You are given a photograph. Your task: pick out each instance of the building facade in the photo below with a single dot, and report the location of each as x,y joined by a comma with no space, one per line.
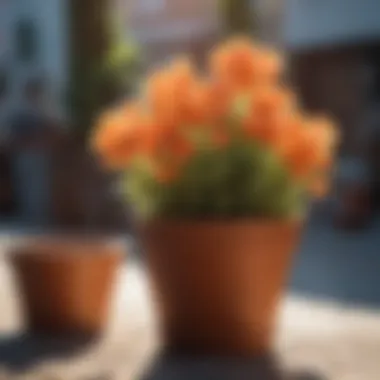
335,61
33,42
165,28
33,45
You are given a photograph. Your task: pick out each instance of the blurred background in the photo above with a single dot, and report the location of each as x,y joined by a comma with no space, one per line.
63,61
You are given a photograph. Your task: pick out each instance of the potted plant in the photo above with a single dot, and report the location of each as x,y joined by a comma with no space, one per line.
66,283
219,169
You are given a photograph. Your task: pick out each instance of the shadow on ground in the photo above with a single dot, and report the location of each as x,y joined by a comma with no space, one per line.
172,367
23,351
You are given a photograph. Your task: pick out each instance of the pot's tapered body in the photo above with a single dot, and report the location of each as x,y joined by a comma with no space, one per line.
217,285
66,287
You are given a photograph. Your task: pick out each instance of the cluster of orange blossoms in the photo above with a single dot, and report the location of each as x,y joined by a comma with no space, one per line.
178,101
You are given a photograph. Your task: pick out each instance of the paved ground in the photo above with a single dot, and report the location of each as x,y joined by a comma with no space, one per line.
341,266
337,334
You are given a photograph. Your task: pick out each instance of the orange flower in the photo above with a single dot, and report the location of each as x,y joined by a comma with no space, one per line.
198,102
270,111
164,141
168,92
178,146
210,102
243,64
234,63
106,138
172,151
321,138
269,65
161,97
166,174
118,137
220,136
326,130
293,127
183,73
312,149
319,186
181,106
268,100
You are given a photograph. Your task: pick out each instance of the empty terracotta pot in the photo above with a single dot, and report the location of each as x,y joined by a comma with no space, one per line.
66,284
217,285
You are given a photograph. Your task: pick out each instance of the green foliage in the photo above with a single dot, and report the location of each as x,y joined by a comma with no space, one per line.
95,84
121,67
237,16
242,180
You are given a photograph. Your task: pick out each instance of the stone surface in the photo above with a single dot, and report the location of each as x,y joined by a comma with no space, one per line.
320,338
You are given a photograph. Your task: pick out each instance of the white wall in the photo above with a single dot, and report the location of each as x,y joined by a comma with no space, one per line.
310,23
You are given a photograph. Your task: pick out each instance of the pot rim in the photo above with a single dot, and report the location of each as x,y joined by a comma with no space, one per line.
68,245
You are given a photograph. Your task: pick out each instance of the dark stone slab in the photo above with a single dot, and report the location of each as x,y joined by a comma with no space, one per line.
20,352
172,367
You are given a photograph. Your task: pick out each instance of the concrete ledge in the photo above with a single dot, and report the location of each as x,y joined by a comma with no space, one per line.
337,342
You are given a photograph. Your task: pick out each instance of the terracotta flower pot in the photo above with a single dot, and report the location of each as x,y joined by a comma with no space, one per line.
66,285
217,285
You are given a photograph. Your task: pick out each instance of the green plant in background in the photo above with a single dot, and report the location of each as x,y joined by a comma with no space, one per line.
101,84
105,65
238,16
121,68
